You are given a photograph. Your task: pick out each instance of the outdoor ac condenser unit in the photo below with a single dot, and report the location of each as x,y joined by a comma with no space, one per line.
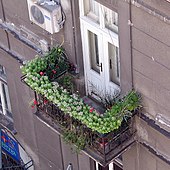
48,17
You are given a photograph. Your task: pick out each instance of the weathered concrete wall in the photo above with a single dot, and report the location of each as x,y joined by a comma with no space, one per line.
54,153
18,15
151,50
112,4
149,35
151,70
140,158
20,96
150,55
41,142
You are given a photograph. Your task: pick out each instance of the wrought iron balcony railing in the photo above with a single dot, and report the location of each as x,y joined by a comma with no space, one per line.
101,147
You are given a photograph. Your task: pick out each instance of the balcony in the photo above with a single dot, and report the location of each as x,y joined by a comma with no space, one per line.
102,136
100,147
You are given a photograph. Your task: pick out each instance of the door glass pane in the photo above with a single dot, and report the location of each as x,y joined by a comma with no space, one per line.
114,64
94,51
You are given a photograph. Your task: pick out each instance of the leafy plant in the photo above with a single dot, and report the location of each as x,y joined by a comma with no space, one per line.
51,65
37,78
70,137
108,99
67,82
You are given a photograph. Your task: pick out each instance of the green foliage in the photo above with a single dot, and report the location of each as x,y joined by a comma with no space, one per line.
67,82
108,100
36,65
70,137
72,104
51,65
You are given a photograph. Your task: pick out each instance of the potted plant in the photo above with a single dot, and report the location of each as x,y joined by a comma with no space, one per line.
38,78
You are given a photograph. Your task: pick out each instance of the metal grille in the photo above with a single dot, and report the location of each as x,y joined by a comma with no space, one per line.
102,147
9,164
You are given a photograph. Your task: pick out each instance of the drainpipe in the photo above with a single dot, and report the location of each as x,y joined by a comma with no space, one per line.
72,3
77,38
130,25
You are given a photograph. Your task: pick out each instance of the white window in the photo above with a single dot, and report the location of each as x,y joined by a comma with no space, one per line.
116,165
93,10
111,19
99,30
5,106
105,17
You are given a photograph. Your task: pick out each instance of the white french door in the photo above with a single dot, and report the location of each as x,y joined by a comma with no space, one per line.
101,61
93,62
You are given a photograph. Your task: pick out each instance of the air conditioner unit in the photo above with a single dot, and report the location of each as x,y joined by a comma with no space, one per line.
47,16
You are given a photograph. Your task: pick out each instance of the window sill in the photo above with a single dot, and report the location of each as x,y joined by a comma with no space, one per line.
6,122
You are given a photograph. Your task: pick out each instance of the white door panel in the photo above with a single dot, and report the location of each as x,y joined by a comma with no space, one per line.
100,63
111,65
93,65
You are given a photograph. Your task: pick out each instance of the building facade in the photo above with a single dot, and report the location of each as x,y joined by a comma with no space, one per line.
115,46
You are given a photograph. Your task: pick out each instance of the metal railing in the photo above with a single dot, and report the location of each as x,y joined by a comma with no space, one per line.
101,147
8,163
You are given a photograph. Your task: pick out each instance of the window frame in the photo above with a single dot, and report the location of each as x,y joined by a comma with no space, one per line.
4,95
85,12
88,24
110,166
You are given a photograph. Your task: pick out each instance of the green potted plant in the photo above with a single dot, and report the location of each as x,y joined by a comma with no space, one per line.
37,77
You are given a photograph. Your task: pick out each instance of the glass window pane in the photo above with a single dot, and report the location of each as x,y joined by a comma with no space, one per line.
114,64
0,99
7,99
0,104
2,70
111,19
2,73
117,167
93,11
94,51
4,96
5,106
94,7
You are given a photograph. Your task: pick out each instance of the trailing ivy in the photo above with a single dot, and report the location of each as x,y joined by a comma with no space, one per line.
37,77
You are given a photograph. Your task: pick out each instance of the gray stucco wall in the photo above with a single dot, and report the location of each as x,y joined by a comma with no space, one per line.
54,153
151,49
149,35
43,144
150,58
151,70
